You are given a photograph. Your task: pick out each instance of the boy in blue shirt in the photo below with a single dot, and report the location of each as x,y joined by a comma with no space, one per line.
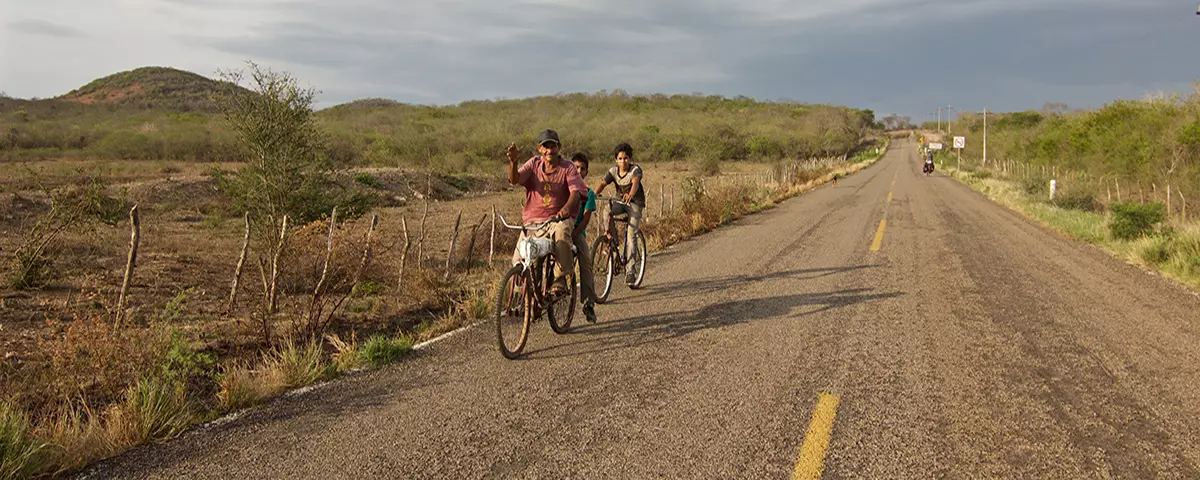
579,237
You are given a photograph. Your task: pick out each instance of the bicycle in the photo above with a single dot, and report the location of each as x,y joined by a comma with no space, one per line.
610,258
524,293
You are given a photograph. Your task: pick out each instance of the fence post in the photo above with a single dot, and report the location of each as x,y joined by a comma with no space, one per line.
492,238
453,240
404,253
366,256
275,264
241,263
421,238
1053,187
313,314
662,198
135,236
1168,202
471,246
1183,214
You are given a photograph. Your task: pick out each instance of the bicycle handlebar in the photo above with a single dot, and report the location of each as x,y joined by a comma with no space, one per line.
611,199
527,228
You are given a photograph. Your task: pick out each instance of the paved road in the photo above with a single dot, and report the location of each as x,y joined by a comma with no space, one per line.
959,340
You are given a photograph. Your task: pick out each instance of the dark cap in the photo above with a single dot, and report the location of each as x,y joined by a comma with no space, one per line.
548,136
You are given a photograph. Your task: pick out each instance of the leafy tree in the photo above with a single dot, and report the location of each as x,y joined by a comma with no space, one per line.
286,171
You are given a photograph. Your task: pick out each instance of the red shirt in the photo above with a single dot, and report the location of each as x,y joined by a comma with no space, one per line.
546,194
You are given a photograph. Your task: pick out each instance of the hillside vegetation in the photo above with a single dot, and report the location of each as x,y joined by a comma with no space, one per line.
151,88
165,114
1127,175
1138,145
103,356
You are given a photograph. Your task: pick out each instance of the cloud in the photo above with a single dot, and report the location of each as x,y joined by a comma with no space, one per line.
35,26
890,55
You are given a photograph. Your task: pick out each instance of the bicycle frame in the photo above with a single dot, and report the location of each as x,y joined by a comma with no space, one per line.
534,252
617,247
531,248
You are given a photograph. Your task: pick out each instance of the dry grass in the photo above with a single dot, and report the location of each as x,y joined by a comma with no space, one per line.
153,409
21,454
241,387
74,436
294,365
707,204
134,375
347,355
1175,252
78,436
474,304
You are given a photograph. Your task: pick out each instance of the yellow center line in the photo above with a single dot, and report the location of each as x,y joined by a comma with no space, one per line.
889,197
816,441
879,236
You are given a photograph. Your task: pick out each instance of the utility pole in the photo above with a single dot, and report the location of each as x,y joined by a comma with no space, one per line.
948,120
985,136
939,114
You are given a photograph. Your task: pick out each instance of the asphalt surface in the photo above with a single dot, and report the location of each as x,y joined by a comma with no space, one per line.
972,343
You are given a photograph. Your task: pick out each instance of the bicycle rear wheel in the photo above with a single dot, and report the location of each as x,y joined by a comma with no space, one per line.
561,310
513,312
602,268
638,263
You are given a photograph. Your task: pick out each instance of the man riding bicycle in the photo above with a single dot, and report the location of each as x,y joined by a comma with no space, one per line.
628,179
553,188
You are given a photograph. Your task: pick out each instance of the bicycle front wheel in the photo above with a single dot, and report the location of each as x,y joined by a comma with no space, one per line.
602,268
561,310
513,312
638,263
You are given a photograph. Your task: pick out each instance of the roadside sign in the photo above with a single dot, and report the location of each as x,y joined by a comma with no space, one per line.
935,146
960,142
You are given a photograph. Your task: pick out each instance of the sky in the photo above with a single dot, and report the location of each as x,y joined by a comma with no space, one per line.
906,57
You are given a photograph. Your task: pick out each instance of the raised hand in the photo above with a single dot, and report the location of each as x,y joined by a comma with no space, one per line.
513,153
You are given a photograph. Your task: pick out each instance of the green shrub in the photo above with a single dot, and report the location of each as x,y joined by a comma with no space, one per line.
1132,220
296,365
380,350
1077,200
367,289
368,180
154,408
762,147
1036,186
182,363
1156,250
287,170
707,165
665,148
20,452
692,191
75,206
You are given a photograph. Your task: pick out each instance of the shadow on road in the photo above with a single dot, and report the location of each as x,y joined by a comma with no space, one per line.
702,286
654,328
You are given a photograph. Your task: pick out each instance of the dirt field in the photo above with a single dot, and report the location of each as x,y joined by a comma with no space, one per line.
188,251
